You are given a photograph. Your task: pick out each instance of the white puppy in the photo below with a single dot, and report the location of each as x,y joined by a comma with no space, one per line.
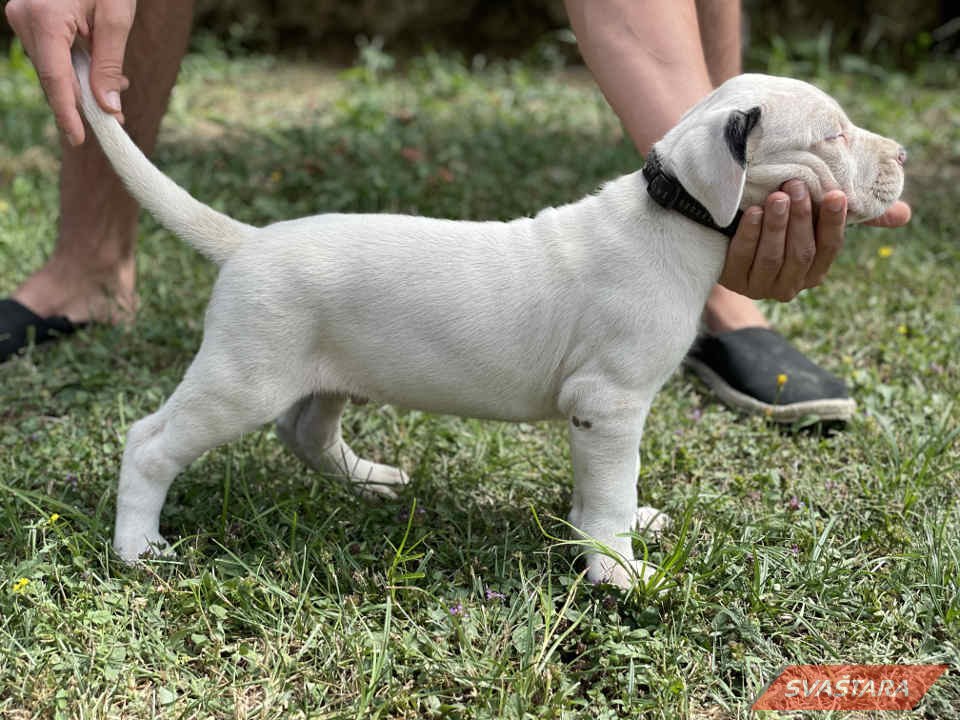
581,312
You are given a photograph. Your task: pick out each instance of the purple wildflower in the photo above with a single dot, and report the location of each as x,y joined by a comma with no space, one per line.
794,503
494,595
457,610
404,515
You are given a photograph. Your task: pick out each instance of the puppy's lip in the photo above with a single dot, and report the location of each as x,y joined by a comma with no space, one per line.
887,188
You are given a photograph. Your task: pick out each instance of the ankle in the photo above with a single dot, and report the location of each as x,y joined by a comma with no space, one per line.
82,291
727,310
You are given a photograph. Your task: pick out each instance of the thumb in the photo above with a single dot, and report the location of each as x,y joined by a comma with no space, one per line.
896,215
111,28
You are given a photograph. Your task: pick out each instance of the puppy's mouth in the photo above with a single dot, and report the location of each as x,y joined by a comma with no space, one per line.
883,192
888,185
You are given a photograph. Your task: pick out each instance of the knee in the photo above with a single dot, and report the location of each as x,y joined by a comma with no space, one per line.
142,431
144,455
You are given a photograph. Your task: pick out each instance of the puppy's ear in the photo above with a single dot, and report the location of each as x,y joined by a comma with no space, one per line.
708,155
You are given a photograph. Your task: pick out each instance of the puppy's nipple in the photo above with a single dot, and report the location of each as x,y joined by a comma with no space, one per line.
902,156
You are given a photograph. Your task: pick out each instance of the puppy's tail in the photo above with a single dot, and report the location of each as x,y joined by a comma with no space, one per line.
211,232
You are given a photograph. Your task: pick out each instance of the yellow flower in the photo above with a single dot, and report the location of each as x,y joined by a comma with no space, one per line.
781,380
902,329
276,176
53,518
4,206
885,252
20,585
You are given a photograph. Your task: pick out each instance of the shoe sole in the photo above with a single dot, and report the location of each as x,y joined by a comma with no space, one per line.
829,409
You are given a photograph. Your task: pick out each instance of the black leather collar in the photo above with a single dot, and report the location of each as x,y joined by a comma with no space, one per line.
669,193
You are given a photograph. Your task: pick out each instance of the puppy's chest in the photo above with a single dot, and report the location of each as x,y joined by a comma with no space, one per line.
642,334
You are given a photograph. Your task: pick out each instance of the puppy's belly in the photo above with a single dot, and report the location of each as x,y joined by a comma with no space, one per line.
479,388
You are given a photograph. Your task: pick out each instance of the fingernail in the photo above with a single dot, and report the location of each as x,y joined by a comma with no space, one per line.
780,206
835,204
755,216
797,191
113,100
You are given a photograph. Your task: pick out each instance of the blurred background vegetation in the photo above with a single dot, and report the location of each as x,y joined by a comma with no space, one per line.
892,33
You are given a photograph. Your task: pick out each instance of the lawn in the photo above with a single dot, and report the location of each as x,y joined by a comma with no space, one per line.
291,597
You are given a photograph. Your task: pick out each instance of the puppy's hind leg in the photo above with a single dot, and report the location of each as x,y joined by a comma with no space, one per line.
215,403
311,429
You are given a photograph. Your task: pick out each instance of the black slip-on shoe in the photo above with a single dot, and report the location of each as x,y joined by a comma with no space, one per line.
20,326
757,371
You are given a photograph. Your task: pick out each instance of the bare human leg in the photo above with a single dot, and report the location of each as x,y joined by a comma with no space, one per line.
720,36
91,274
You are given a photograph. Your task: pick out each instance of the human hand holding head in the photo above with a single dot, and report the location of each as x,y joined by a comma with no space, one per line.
784,247
49,29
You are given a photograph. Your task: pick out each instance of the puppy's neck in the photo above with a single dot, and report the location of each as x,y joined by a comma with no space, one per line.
670,193
688,250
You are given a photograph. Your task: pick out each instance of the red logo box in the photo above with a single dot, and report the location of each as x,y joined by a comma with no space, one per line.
849,687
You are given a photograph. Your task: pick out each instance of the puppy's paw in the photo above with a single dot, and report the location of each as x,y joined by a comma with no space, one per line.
369,478
136,546
651,522
379,480
625,574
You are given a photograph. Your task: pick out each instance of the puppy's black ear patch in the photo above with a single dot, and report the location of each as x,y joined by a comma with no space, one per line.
738,127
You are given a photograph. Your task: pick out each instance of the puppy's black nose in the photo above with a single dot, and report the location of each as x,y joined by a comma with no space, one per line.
902,156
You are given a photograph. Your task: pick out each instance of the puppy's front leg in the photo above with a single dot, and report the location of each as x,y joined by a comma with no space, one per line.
605,449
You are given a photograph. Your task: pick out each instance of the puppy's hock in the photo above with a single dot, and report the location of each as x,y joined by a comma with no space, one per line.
581,312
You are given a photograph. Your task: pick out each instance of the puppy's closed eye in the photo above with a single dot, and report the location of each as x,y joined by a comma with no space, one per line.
838,136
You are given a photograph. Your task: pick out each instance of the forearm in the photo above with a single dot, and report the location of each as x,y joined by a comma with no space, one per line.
720,33
647,58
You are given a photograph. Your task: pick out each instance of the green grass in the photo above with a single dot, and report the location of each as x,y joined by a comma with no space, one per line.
293,598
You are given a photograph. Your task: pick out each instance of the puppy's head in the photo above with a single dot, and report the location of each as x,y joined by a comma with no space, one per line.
755,132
